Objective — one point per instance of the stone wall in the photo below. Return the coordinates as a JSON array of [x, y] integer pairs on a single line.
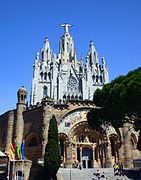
[[35, 131], [4, 132], [20, 168]]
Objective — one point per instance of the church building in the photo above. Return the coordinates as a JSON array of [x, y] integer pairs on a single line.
[[65, 77], [63, 86]]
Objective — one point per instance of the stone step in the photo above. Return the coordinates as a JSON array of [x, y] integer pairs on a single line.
[[87, 174]]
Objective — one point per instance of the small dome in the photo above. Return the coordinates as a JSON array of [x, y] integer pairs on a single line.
[[22, 90]]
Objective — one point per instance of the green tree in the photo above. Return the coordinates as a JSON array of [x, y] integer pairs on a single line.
[[52, 157], [118, 102]]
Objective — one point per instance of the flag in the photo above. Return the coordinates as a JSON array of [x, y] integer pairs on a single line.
[[22, 150], [15, 147], [18, 151], [11, 157]]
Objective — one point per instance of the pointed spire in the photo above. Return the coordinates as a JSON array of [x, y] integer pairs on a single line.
[[37, 55], [91, 42], [82, 59], [92, 47], [87, 61], [103, 60], [46, 43]]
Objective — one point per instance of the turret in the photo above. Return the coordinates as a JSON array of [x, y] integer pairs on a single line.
[[67, 51], [46, 52], [22, 95]]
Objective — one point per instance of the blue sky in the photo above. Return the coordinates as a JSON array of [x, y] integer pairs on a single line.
[[113, 25]]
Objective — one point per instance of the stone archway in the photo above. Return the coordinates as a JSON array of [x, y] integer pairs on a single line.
[[84, 138], [81, 136], [114, 145], [63, 140], [32, 146]]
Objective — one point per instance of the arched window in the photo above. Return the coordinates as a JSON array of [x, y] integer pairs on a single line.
[[21, 97], [89, 138], [80, 97], [93, 77], [78, 154], [49, 76], [76, 97], [101, 79], [96, 78], [62, 147], [64, 97], [45, 76], [41, 74], [33, 142], [67, 47], [82, 138], [44, 91], [68, 97], [72, 97]]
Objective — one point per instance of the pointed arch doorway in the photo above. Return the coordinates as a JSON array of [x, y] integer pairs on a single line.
[[87, 157]]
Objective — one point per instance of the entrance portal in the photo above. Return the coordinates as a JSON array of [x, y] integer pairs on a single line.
[[87, 158]]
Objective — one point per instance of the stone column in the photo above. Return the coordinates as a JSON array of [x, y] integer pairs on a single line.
[[19, 122], [93, 155], [64, 144], [128, 161], [108, 154], [98, 155], [121, 147], [47, 115], [94, 160], [69, 156], [81, 155], [9, 131]]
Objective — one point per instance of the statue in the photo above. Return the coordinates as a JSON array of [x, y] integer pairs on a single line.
[[66, 25]]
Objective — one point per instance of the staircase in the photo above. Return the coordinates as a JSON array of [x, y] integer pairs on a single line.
[[87, 174]]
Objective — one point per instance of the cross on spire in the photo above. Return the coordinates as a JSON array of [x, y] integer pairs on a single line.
[[66, 25]]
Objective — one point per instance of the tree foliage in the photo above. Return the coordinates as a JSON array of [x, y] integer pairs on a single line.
[[118, 102], [52, 157]]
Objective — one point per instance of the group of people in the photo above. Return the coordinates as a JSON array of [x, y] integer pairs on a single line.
[[77, 164], [98, 175], [118, 169]]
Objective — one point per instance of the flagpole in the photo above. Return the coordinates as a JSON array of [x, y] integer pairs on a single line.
[[8, 168], [13, 174], [22, 168], [22, 151]]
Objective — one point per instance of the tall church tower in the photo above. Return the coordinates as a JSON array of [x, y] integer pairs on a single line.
[[67, 52], [21, 106], [65, 77]]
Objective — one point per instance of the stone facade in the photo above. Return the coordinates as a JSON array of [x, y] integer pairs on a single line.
[[77, 140], [64, 77], [59, 79]]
